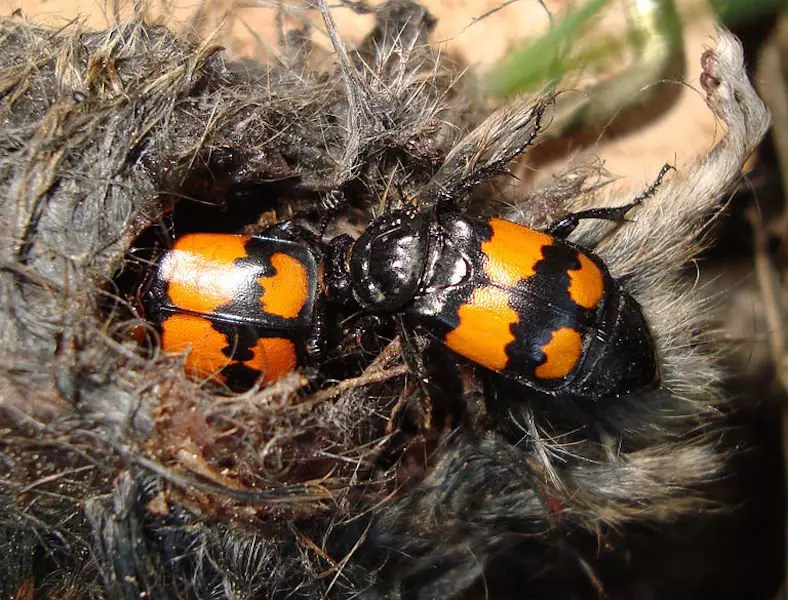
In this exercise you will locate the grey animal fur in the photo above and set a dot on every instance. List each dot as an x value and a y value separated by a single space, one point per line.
111 458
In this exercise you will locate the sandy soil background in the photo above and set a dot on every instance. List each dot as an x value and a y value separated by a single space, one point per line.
251 31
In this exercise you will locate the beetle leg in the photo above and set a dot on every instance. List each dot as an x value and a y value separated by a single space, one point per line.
366 337
438 376
316 342
408 206
411 354
336 278
567 225
290 231
330 203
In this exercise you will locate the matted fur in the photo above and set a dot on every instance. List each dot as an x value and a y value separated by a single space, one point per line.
122 478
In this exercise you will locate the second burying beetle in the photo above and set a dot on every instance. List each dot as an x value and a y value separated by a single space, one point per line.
244 308
528 305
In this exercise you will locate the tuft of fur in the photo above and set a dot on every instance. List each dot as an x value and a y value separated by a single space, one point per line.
121 478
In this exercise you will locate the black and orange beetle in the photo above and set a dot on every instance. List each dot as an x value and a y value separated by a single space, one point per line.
246 307
526 304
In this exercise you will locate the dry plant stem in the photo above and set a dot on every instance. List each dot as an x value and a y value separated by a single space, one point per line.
377 372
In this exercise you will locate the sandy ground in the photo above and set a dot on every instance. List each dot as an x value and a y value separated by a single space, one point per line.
686 131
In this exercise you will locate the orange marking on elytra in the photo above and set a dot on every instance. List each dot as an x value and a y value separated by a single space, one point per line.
286 291
587 284
484 330
183 332
201 270
513 251
562 354
273 357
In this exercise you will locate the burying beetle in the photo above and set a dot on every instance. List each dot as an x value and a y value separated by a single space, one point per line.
529 305
245 308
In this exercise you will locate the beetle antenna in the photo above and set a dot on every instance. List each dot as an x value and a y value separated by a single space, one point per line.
331 202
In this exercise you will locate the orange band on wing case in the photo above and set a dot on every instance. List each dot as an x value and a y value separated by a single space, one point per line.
562 354
183 332
273 357
586 285
484 330
201 271
286 291
513 251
